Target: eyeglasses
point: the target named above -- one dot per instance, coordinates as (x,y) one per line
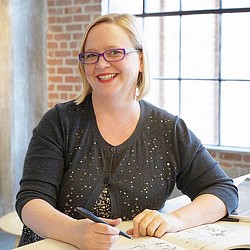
(111,55)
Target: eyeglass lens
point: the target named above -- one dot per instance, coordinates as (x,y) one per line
(109,55)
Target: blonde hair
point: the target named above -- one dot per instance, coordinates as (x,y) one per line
(131,26)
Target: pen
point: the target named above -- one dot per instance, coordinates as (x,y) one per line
(229,219)
(87,214)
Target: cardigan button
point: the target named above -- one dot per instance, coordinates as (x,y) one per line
(106,180)
(113,149)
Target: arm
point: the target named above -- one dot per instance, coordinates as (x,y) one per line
(38,196)
(84,234)
(204,209)
(212,192)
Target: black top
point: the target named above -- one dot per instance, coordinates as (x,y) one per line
(69,164)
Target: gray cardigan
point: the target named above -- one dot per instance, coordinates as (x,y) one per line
(68,163)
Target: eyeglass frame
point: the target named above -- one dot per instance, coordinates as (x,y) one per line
(125,52)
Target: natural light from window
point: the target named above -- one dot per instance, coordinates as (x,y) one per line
(200,64)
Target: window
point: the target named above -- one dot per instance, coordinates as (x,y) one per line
(201,64)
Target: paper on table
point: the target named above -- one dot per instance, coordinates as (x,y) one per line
(145,243)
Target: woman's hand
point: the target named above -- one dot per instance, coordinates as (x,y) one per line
(153,223)
(84,234)
(204,209)
(90,235)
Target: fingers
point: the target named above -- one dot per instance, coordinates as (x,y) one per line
(149,222)
(105,229)
(102,236)
(89,235)
(114,223)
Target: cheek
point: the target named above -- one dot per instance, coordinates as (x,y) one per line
(89,71)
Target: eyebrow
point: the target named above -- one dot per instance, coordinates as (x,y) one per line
(106,48)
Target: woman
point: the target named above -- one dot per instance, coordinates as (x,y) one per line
(115,154)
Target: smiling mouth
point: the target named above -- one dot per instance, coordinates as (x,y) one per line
(106,77)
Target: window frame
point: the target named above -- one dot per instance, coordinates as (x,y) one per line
(180,13)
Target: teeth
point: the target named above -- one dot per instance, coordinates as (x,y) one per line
(106,77)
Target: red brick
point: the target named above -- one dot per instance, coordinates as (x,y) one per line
(72,10)
(51,19)
(51,71)
(77,36)
(62,53)
(55,28)
(50,54)
(64,2)
(64,96)
(231,156)
(51,3)
(213,154)
(49,36)
(55,79)
(53,96)
(51,87)
(54,62)
(75,53)
(64,87)
(72,79)
(64,71)
(52,45)
(74,27)
(82,18)
(246,158)
(242,166)
(55,11)
(81,1)
(60,37)
(64,45)
(226,164)
(71,61)
(64,19)
(78,88)
(74,45)
(93,8)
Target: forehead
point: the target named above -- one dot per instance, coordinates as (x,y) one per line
(107,35)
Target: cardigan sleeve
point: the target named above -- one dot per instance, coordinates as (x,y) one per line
(199,172)
(44,162)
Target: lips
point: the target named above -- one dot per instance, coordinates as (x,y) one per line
(106,77)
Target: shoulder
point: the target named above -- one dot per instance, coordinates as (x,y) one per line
(67,113)
(154,112)
(162,119)
(159,117)
(70,109)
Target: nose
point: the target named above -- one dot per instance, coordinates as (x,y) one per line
(102,63)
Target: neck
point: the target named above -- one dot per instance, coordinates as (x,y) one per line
(114,107)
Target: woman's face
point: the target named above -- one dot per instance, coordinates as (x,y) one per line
(112,79)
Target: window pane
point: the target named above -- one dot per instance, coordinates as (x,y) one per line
(199,46)
(199,109)
(162,5)
(170,96)
(162,36)
(131,6)
(235,118)
(235,3)
(164,94)
(235,46)
(200,5)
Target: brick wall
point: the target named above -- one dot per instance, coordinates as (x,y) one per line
(234,163)
(67,20)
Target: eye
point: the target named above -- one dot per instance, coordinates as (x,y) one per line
(115,52)
(90,55)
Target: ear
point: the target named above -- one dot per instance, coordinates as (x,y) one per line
(141,62)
